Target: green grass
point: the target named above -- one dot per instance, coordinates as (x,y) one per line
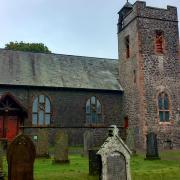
(168,168)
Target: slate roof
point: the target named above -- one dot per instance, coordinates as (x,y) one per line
(57,70)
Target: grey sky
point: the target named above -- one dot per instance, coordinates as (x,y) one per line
(79,27)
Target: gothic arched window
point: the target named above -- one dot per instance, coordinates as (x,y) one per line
(93,111)
(41,111)
(164,108)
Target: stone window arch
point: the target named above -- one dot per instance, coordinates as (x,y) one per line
(41,111)
(93,111)
(164,107)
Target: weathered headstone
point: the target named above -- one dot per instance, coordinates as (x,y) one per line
(130,140)
(61,147)
(1,161)
(152,146)
(20,156)
(116,166)
(115,156)
(95,163)
(168,144)
(41,142)
(88,141)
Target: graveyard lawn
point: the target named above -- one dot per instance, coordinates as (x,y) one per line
(165,169)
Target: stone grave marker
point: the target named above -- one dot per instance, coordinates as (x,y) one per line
(115,156)
(1,161)
(168,144)
(116,166)
(61,147)
(41,141)
(20,156)
(88,141)
(130,140)
(152,146)
(95,163)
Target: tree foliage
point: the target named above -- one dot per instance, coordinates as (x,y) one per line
(31,47)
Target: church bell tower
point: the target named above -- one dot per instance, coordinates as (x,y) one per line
(149,68)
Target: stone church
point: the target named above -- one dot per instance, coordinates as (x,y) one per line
(139,91)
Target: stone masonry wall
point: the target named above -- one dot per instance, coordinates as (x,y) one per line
(68,108)
(145,73)
(161,72)
(131,80)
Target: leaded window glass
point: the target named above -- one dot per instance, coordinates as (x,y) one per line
(93,111)
(41,111)
(163,105)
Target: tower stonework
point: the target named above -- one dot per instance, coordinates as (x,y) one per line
(149,68)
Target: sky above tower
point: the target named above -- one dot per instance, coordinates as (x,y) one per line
(78,27)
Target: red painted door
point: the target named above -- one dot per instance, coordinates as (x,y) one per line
(1,126)
(12,127)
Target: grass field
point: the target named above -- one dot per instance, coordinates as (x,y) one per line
(168,168)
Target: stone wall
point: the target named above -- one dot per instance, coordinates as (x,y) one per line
(145,73)
(68,108)
(131,79)
(161,72)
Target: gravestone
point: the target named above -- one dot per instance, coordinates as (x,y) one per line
(115,156)
(95,163)
(88,141)
(168,144)
(61,147)
(1,161)
(152,146)
(41,141)
(20,156)
(130,140)
(116,166)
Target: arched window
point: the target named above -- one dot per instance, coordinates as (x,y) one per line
(93,111)
(41,111)
(159,42)
(163,105)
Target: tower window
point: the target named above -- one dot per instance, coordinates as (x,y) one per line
(163,105)
(127,45)
(159,42)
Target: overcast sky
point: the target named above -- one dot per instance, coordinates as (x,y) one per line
(79,27)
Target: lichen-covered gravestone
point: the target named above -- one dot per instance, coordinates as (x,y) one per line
(42,143)
(20,156)
(88,141)
(152,146)
(1,161)
(61,147)
(115,156)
